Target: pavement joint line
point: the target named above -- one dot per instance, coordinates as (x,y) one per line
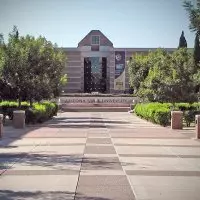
(26,155)
(133,191)
(158,156)
(47,144)
(79,174)
(157,145)
(46,137)
(174,173)
(177,156)
(133,137)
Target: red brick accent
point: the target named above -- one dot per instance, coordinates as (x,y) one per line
(197,124)
(1,125)
(176,119)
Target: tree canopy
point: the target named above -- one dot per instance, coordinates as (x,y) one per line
(193,11)
(33,67)
(169,77)
(197,49)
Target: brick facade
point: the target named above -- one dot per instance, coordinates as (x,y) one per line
(75,61)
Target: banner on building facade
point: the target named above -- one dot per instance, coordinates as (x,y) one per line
(119,82)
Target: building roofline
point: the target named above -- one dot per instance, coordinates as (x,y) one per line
(122,49)
(90,33)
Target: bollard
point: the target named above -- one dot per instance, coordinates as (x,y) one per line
(19,119)
(197,125)
(1,125)
(176,119)
(132,106)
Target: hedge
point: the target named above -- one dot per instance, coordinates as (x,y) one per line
(38,113)
(160,113)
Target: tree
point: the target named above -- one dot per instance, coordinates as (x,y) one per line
(182,41)
(138,70)
(182,83)
(139,65)
(170,78)
(154,87)
(1,39)
(33,67)
(197,49)
(194,14)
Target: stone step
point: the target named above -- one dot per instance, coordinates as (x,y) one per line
(94,109)
(95,105)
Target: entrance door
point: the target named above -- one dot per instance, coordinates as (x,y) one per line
(95,74)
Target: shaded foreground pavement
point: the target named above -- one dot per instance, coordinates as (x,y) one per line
(99,156)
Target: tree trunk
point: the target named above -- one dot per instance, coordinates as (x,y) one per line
(19,102)
(31,102)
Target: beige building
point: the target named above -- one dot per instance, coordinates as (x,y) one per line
(97,66)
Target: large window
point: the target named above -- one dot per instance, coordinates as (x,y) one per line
(95,74)
(95,40)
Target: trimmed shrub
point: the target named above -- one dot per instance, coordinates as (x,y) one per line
(155,112)
(187,106)
(39,113)
(160,113)
(189,116)
(162,117)
(7,107)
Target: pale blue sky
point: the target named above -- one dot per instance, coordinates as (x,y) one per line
(127,23)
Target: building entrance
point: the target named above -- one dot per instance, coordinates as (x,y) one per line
(95,74)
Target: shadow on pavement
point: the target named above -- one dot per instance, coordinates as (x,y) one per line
(58,161)
(58,122)
(40,195)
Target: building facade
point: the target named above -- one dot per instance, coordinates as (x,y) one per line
(96,66)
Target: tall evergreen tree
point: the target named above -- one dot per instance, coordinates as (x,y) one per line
(1,39)
(197,49)
(182,41)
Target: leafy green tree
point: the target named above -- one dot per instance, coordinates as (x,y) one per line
(154,87)
(139,65)
(170,77)
(182,41)
(197,49)
(182,83)
(138,70)
(33,67)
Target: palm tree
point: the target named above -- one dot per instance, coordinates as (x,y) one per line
(194,14)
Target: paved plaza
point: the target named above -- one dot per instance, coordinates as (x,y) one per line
(99,156)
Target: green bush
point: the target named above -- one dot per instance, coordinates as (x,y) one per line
(162,117)
(187,106)
(39,113)
(7,107)
(160,113)
(189,116)
(155,112)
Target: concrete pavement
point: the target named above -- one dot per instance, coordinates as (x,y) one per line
(99,156)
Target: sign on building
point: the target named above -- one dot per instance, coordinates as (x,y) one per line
(119,82)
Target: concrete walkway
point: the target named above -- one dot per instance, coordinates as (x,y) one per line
(99,156)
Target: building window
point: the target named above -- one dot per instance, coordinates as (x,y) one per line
(95,40)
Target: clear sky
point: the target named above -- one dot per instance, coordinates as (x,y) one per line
(127,23)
